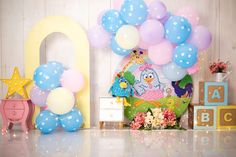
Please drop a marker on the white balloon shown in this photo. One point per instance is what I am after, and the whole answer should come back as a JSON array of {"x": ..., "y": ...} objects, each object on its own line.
[
  {"x": 173, "y": 72},
  {"x": 60, "y": 101},
  {"x": 127, "y": 37}
]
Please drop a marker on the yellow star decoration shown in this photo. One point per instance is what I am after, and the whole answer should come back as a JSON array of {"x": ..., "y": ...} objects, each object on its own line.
[{"x": 16, "y": 84}]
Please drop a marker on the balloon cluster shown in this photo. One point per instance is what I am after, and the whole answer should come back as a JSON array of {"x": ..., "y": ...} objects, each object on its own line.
[
  {"x": 172, "y": 41},
  {"x": 54, "y": 91}
]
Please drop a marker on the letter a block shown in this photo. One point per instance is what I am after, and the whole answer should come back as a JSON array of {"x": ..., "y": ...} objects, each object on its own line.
[
  {"x": 226, "y": 117},
  {"x": 213, "y": 93},
  {"x": 202, "y": 117}
]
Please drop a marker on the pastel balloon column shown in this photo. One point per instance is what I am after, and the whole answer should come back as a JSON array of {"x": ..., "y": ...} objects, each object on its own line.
[
  {"x": 55, "y": 91},
  {"x": 172, "y": 40}
]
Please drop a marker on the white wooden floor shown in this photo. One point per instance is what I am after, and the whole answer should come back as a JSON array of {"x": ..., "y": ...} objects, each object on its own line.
[{"x": 123, "y": 143}]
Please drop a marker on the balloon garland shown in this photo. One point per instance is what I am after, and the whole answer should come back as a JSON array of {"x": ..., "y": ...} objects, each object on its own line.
[
  {"x": 173, "y": 41},
  {"x": 54, "y": 92}
]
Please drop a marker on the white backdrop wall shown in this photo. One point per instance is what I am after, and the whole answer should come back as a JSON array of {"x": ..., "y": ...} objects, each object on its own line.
[{"x": 18, "y": 16}]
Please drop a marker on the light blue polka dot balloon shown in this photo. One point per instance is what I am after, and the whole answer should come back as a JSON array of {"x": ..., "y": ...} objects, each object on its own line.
[
  {"x": 112, "y": 21},
  {"x": 48, "y": 76},
  {"x": 46, "y": 122},
  {"x": 71, "y": 121},
  {"x": 185, "y": 55},
  {"x": 59, "y": 66},
  {"x": 177, "y": 29},
  {"x": 173, "y": 72},
  {"x": 117, "y": 49},
  {"x": 134, "y": 12}
]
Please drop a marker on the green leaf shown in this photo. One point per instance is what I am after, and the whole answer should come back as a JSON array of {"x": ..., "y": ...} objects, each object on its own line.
[
  {"x": 129, "y": 77},
  {"x": 187, "y": 79}
]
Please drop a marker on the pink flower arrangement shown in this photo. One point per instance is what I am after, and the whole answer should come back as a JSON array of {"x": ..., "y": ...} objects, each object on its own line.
[
  {"x": 219, "y": 67},
  {"x": 169, "y": 118},
  {"x": 154, "y": 119},
  {"x": 138, "y": 121}
]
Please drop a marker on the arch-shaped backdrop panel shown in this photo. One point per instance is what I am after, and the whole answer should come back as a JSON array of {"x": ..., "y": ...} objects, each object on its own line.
[{"x": 77, "y": 35}]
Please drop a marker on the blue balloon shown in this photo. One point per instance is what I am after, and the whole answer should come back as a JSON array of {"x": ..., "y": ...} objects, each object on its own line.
[
  {"x": 71, "y": 121},
  {"x": 173, "y": 72},
  {"x": 46, "y": 122},
  {"x": 59, "y": 66},
  {"x": 185, "y": 55},
  {"x": 112, "y": 21},
  {"x": 134, "y": 12},
  {"x": 117, "y": 49},
  {"x": 177, "y": 29},
  {"x": 48, "y": 76}
]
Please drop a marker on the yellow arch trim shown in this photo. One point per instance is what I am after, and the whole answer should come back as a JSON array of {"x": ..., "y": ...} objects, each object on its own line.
[{"x": 77, "y": 35}]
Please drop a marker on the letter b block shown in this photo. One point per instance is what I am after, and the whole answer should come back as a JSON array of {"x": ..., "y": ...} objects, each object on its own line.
[
  {"x": 202, "y": 117},
  {"x": 226, "y": 117},
  {"x": 213, "y": 93}
]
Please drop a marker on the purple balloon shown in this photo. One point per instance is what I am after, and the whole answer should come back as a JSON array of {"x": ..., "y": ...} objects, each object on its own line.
[
  {"x": 165, "y": 18},
  {"x": 157, "y": 9},
  {"x": 98, "y": 37},
  {"x": 38, "y": 96},
  {"x": 152, "y": 32},
  {"x": 200, "y": 37}
]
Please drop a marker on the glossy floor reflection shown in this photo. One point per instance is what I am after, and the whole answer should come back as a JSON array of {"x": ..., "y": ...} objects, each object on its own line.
[{"x": 123, "y": 143}]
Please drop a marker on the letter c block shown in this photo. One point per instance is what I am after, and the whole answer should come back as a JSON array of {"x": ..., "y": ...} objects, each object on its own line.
[{"x": 226, "y": 118}]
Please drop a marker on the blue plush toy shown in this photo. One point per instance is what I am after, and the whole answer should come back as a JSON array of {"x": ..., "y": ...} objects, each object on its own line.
[{"x": 121, "y": 88}]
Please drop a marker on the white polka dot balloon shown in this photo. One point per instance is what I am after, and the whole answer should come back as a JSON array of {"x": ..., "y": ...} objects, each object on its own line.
[
  {"x": 47, "y": 122},
  {"x": 111, "y": 21},
  {"x": 178, "y": 29},
  {"x": 185, "y": 55},
  {"x": 48, "y": 76},
  {"x": 134, "y": 12},
  {"x": 71, "y": 121}
]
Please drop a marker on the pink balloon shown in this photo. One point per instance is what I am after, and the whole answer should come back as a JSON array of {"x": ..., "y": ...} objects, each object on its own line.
[
  {"x": 117, "y": 4},
  {"x": 72, "y": 80},
  {"x": 193, "y": 69},
  {"x": 148, "y": 1},
  {"x": 98, "y": 37},
  {"x": 200, "y": 37},
  {"x": 190, "y": 14},
  {"x": 151, "y": 32},
  {"x": 143, "y": 45},
  {"x": 161, "y": 53},
  {"x": 157, "y": 9}
]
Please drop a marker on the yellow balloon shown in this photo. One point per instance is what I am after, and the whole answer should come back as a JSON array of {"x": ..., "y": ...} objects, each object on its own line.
[
  {"x": 127, "y": 37},
  {"x": 60, "y": 101}
]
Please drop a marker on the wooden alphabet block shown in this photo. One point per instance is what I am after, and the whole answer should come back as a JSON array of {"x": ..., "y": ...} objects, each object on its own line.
[
  {"x": 226, "y": 117},
  {"x": 213, "y": 93},
  {"x": 202, "y": 117}
]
